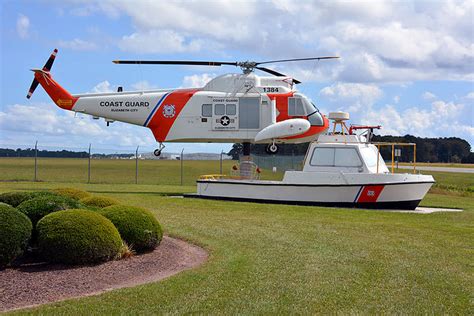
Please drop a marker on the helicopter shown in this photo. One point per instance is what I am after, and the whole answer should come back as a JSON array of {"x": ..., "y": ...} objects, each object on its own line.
[{"x": 239, "y": 108}]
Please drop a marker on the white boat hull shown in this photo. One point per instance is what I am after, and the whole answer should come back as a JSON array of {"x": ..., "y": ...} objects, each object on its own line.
[{"x": 388, "y": 195}]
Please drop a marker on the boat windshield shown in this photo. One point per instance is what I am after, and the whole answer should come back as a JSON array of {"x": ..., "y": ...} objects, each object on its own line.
[{"x": 369, "y": 155}]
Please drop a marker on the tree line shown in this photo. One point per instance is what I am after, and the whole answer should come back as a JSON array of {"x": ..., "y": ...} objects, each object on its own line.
[
  {"x": 30, "y": 152},
  {"x": 442, "y": 149}
]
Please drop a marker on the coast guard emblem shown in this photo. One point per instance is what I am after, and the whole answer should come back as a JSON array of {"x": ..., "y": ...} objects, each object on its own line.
[{"x": 169, "y": 111}]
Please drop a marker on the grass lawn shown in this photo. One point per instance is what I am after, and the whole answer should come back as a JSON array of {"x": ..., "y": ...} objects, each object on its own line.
[
  {"x": 268, "y": 259},
  {"x": 114, "y": 170}
]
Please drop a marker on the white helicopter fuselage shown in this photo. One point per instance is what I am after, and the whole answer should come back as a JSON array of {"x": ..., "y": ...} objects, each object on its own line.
[{"x": 230, "y": 108}]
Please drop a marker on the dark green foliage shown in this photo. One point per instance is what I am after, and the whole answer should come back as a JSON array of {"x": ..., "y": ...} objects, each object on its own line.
[
  {"x": 41, "y": 206},
  {"x": 77, "y": 237},
  {"x": 137, "y": 226},
  {"x": 72, "y": 193},
  {"x": 15, "y": 231},
  {"x": 99, "y": 201},
  {"x": 14, "y": 198},
  {"x": 443, "y": 149}
]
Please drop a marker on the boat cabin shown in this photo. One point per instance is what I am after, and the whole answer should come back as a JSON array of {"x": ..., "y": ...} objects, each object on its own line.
[{"x": 344, "y": 153}]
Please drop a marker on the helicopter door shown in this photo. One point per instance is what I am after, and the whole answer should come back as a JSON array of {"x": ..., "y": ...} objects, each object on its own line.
[
  {"x": 249, "y": 113},
  {"x": 224, "y": 115}
]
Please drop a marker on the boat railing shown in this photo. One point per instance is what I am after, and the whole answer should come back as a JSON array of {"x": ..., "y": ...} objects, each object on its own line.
[{"x": 392, "y": 145}]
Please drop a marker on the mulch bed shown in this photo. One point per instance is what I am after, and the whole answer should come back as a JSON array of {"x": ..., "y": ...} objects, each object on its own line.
[{"x": 34, "y": 284}]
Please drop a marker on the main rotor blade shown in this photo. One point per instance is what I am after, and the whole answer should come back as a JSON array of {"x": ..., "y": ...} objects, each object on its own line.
[
  {"x": 296, "y": 59},
  {"x": 276, "y": 73},
  {"x": 175, "y": 62}
]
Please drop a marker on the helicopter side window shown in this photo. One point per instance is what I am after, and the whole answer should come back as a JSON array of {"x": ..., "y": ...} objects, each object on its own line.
[
  {"x": 219, "y": 109},
  {"x": 206, "y": 110},
  {"x": 230, "y": 109},
  {"x": 295, "y": 107}
]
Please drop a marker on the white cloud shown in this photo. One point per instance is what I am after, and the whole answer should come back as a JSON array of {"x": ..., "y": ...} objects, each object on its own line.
[
  {"x": 470, "y": 96},
  {"x": 22, "y": 124},
  {"x": 352, "y": 96},
  {"x": 396, "y": 99},
  {"x": 428, "y": 95},
  {"x": 441, "y": 119},
  {"x": 103, "y": 87},
  {"x": 197, "y": 81},
  {"x": 379, "y": 41},
  {"x": 22, "y": 26},
  {"x": 143, "y": 85},
  {"x": 158, "y": 41},
  {"x": 78, "y": 44}
]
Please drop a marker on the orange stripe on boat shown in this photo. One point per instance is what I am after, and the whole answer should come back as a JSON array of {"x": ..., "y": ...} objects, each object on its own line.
[{"x": 370, "y": 193}]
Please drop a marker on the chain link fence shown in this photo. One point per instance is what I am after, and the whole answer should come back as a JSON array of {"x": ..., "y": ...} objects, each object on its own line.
[{"x": 95, "y": 164}]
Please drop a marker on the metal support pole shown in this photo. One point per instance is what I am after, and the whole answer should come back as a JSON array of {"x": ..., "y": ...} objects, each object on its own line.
[
  {"x": 36, "y": 161},
  {"x": 414, "y": 158},
  {"x": 378, "y": 157},
  {"x": 221, "y": 162},
  {"x": 293, "y": 159},
  {"x": 181, "y": 160},
  {"x": 136, "y": 166},
  {"x": 89, "y": 166},
  {"x": 393, "y": 153}
]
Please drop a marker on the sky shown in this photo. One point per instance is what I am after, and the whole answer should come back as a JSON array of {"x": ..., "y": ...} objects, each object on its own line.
[{"x": 406, "y": 65}]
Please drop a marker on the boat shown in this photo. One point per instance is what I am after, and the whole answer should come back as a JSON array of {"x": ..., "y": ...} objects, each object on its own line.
[{"x": 340, "y": 169}]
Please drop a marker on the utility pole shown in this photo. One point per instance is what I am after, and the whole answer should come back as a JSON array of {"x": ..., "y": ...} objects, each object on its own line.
[
  {"x": 136, "y": 166},
  {"x": 222, "y": 152},
  {"x": 182, "y": 169},
  {"x": 89, "y": 166},
  {"x": 36, "y": 161}
]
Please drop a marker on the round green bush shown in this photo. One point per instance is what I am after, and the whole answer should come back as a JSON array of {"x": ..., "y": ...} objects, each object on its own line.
[
  {"x": 41, "y": 206},
  {"x": 137, "y": 226},
  {"x": 14, "y": 198},
  {"x": 72, "y": 193},
  {"x": 77, "y": 237},
  {"x": 15, "y": 232},
  {"x": 99, "y": 201}
]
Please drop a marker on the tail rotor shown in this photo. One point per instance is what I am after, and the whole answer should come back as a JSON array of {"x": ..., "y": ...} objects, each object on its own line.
[{"x": 46, "y": 68}]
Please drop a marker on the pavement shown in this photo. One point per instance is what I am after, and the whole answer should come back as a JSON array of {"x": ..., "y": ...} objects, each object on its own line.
[
  {"x": 440, "y": 169},
  {"x": 427, "y": 210}
]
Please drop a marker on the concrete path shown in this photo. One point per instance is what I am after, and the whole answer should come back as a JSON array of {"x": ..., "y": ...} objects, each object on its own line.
[{"x": 440, "y": 169}]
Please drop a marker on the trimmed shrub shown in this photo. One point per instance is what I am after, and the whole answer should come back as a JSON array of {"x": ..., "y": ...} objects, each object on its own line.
[
  {"x": 39, "y": 207},
  {"x": 14, "y": 198},
  {"x": 37, "y": 194},
  {"x": 99, "y": 201},
  {"x": 137, "y": 226},
  {"x": 72, "y": 193},
  {"x": 77, "y": 237},
  {"x": 15, "y": 232}
]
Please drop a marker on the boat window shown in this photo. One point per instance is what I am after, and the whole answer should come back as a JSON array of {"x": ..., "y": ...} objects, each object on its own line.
[
  {"x": 219, "y": 109},
  {"x": 347, "y": 157},
  {"x": 323, "y": 156},
  {"x": 335, "y": 157},
  {"x": 230, "y": 109},
  {"x": 295, "y": 107},
  {"x": 206, "y": 110},
  {"x": 370, "y": 156}
]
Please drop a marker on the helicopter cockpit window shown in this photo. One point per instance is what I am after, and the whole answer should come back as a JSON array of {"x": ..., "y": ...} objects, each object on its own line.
[
  {"x": 219, "y": 109},
  {"x": 206, "y": 110},
  {"x": 295, "y": 107},
  {"x": 230, "y": 109}
]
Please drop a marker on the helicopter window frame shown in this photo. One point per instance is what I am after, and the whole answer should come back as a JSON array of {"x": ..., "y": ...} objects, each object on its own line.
[
  {"x": 206, "y": 110},
  {"x": 219, "y": 109},
  {"x": 296, "y": 107},
  {"x": 231, "y": 112}
]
